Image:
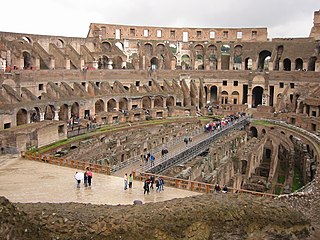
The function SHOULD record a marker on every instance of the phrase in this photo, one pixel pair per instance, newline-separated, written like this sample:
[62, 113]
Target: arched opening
[107, 46]
[312, 64]
[99, 106]
[263, 131]
[185, 62]
[103, 62]
[264, 58]
[75, 110]
[287, 64]
[237, 65]
[63, 113]
[158, 101]
[27, 61]
[235, 97]
[243, 166]
[224, 97]
[112, 105]
[60, 43]
[49, 112]
[214, 94]
[299, 64]
[123, 104]
[154, 63]
[35, 115]
[148, 49]
[199, 64]
[170, 101]
[253, 132]
[212, 51]
[225, 57]
[146, 102]
[257, 94]
[161, 49]
[26, 39]
[276, 66]
[21, 117]
[248, 64]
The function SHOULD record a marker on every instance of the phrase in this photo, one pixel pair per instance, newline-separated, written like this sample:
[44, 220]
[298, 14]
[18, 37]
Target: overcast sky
[283, 18]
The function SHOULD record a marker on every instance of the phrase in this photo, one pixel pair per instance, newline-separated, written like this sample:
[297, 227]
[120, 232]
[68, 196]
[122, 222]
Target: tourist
[217, 188]
[78, 176]
[89, 173]
[130, 179]
[85, 179]
[161, 183]
[146, 187]
[146, 158]
[225, 189]
[186, 140]
[125, 178]
[158, 189]
[151, 180]
[152, 159]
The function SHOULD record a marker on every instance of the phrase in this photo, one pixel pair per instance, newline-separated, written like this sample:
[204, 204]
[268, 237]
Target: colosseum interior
[55, 89]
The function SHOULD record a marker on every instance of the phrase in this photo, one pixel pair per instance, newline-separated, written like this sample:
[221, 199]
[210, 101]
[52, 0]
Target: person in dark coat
[146, 187]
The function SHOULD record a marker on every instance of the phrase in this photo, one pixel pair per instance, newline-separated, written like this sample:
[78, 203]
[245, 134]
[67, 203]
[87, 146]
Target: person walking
[146, 187]
[78, 176]
[125, 179]
[161, 184]
[85, 179]
[130, 179]
[152, 159]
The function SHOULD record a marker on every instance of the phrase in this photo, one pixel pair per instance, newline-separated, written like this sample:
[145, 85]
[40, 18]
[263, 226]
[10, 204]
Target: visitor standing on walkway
[125, 179]
[146, 187]
[78, 176]
[130, 179]
[152, 158]
[85, 179]
[89, 176]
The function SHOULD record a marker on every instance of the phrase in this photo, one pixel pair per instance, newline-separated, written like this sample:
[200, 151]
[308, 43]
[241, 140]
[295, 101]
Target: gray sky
[283, 18]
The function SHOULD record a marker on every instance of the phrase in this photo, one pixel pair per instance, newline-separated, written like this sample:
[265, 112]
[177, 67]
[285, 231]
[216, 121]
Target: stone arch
[158, 101]
[199, 54]
[263, 131]
[225, 57]
[148, 49]
[103, 62]
[111, 105]
[154, 63]
[27, 60]
[253, 132]
[21, 117]
[248, 63]
[237, 58]
[170, 101]
[299, 64]
[312, 63]
[235, 97]
[214, 94]
[212, 52]
[146, 102]
[107, 46]
[27, 39]
[60, 43]
[263, 61]
[99, 106]
[257, 94]
[123, 104]
[75, 109]
[63, 112]
[161, 48]
[224, 97]
[49, 112]
[185, 62]
[35, 114]
[287, 64]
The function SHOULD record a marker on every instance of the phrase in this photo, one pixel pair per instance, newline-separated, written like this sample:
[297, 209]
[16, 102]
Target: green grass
[281, 179]
[297, 180]
[262, 123]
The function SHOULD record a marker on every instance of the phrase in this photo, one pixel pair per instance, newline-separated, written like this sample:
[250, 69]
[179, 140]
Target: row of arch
[65, 111]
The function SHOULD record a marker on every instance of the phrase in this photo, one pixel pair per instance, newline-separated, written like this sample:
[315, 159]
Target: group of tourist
[86, 177]
[148, 157]
[148, 184]
[218, 124]
[128, 180]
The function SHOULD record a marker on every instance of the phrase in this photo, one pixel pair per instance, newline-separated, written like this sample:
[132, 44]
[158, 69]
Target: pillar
[249, 100]
[41, 116]
[56, 115]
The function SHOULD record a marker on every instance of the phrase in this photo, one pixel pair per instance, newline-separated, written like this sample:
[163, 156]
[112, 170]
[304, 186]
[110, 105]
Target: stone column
[28, 117]
[249, 100]
[56, 115]
[41, 116]
[130, 104]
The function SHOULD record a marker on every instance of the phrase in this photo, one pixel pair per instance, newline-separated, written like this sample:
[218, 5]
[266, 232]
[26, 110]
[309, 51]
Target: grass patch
[281, 179]
[262, 123]
[297, 180]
